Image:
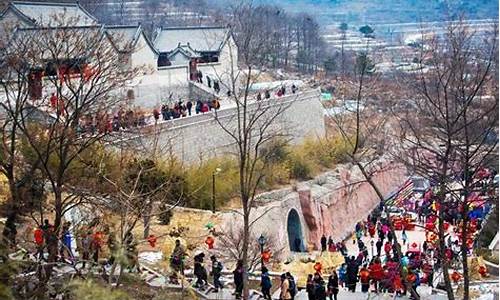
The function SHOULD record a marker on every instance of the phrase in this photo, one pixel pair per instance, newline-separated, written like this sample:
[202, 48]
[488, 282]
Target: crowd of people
[88, 242]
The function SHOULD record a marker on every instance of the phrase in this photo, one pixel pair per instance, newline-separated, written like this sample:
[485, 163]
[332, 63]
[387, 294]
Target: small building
[135, 49]
[33, 14]
[211, 50]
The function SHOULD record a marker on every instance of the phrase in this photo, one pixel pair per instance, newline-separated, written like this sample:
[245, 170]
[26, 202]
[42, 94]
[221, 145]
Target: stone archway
[294, 230]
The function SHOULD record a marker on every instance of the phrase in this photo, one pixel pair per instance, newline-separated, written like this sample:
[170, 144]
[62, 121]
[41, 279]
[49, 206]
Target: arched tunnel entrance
[294, 229]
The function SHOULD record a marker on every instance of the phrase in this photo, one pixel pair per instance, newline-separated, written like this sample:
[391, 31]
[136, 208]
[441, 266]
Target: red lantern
[210, 242]
[317, 267]
[456, 276]
[470, 243]
[38, 236]
[411, 278]
[152, 240]
[266, 255]
[446, 225]
[483, 271]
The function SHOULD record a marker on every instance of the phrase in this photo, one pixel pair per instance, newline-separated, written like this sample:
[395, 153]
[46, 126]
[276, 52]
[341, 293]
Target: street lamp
[216, 171]
[262, 241]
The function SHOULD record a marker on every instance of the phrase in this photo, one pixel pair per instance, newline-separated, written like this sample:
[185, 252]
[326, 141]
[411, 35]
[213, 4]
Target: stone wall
[201, 135]
[330, 204]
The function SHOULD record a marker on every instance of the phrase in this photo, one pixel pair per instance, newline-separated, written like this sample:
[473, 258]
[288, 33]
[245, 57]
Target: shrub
[199, 180]
[300, 167]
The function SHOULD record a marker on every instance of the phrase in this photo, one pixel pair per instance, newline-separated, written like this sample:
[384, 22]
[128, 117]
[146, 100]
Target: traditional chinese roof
[42, 13]
[199, 39]
[125, 37]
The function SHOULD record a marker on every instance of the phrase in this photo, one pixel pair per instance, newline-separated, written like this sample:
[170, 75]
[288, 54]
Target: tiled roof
[123, 37]
[198, 38]
[42, 13]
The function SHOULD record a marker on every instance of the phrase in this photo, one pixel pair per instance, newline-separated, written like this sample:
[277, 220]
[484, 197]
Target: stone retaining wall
[201, 136]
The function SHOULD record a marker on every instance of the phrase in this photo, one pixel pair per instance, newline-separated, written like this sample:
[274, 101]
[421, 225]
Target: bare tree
[254, 124]
[449, 133]
[71, 77]
[368, 133]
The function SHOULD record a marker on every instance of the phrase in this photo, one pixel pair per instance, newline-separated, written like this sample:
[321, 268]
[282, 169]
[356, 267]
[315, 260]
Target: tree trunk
[147, 220]
[246, 240]
[442, 246]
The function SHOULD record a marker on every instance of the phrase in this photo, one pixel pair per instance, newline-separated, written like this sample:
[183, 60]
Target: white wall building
[168, 62]
[211, 50]
[29, 14]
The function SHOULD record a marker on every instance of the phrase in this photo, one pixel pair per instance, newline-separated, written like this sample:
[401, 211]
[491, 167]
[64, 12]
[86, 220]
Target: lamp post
[262, 241]
[216, 171]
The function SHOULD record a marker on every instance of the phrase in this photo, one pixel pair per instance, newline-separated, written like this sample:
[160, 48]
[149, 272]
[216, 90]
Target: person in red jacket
[387, 248]
[38, 235]
[364, 278]
[376, 273]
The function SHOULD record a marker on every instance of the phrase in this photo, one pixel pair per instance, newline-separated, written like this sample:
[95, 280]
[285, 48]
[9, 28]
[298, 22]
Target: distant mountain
[386, 11]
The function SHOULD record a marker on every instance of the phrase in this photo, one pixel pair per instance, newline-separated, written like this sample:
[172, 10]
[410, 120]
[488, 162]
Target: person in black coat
[238, 279]
[352, 274]
[333, 285]
[199, 271]
[319, 287]
[310, 287]
[323, 243]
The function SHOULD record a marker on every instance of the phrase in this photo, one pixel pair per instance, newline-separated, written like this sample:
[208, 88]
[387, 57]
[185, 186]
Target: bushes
[193, 184]
[199, 180]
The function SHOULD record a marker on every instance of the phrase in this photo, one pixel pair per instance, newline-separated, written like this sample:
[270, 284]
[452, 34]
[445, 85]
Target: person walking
[342, 274]
[86, 248]
[319, 287]
[333, 285]
[292, 284]
[189, 106]
[238, 279]
[323, 243]
[404, 237]
[285, 288]
[199, 271]
[216, 273]
[39, 241]
[266, 284]
[379, 245]
[310, 287]
[364, 278]
[352, 274]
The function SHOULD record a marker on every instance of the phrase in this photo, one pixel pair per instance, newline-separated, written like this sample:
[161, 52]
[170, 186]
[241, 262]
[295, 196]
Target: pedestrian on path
[285, 286]
[319, 287]
[333, 285]
[404, 237]
[216, 273]
[352, 274]
[343, 274]
[379, 245]
[364, 278]
[266, 284]
[323, 243]
[238, 279]
[310, 287]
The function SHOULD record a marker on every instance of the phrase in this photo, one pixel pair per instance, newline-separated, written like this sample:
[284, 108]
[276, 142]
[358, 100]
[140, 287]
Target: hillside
[384, 11]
